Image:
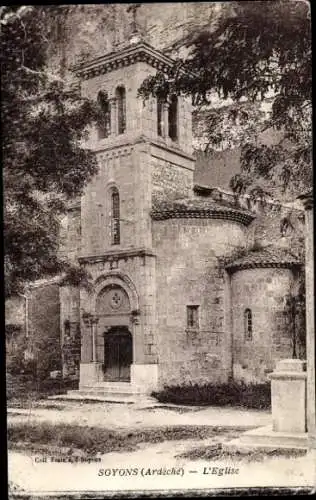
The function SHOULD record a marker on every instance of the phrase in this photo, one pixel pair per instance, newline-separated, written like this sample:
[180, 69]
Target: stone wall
[172, 176]
[15, 311]
[263, 291]
[44, 331]
[70, 331]
[127, 169]
[189, 273]
[70, 234]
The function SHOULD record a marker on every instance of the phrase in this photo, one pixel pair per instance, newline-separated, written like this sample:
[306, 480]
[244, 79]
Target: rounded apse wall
[189, 273]
[262, 327]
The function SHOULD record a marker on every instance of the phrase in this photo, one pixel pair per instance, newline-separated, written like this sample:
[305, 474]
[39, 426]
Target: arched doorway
[118, 354]
[115, 342]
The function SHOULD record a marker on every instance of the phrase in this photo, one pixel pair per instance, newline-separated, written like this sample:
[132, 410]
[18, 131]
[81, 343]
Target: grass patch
[97, 440]
[22, 388]
[254, 396]
[176, 409]
[216, 452]
[50, 406]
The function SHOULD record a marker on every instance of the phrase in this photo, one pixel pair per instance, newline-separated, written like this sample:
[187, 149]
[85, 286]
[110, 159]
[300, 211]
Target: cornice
[171, 149]
[125, 147]
[261, 265]
[115, 152]
[140, 52]
[233, 215]
[116, 254]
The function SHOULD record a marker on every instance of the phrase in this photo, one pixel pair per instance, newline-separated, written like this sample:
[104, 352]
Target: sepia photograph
[158, 249]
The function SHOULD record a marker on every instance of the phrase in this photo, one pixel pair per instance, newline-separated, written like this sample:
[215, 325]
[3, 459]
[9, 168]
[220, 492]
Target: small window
[159, 116]
[121, 109]
[115, 217]
[67, 327]
[173, 118]
[248, 324]
[104, 119]
[193, 316]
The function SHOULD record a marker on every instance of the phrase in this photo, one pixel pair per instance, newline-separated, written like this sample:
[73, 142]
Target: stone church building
[180, 292]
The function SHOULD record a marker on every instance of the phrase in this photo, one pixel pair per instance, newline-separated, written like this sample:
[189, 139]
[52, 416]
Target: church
[180, 292]
[176, 297]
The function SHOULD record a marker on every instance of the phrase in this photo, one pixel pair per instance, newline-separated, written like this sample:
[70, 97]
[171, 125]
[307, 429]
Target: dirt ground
[115, 415]
[163, 466]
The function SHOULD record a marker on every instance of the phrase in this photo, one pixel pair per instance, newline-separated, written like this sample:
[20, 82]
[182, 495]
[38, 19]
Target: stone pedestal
[288, 399]
[145, 376]
[90, 373]
[288, 395]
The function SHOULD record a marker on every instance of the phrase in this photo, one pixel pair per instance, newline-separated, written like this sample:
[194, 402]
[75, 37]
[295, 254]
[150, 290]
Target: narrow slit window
[173, 118]
[67, 327]
[115, 222]
[104, 119]
[192, 316]
[121, 109]
[159, 116]
[248, 324]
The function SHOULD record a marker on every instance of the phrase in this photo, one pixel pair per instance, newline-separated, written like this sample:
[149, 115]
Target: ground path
[28, 471]
[134, 416]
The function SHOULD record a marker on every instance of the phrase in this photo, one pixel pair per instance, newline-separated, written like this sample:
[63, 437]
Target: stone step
[265, 437]
[105, 397]
[86, 397]
[128, 389]
[117, 389]
[240, 445]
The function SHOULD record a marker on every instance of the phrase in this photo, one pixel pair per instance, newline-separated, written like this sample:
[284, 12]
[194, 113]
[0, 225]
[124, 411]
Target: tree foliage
[44, 122]
[254, 51]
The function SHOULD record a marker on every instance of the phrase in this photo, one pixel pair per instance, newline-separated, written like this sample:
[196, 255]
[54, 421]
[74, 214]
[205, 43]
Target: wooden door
[118, 355]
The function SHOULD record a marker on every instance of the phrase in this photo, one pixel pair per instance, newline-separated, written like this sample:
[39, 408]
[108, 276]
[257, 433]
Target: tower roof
[127, 55]
[194, 208]
[265, 257]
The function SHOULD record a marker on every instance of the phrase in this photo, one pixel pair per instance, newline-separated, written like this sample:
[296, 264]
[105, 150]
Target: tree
[44, 121]
[252, 52]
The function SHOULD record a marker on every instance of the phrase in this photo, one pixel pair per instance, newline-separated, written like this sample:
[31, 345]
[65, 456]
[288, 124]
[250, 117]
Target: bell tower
[144, 149]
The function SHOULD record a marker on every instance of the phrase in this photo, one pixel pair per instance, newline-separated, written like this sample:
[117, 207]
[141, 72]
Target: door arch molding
[119, 279]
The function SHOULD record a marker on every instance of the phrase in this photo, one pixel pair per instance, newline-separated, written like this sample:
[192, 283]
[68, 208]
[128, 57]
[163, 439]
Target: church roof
[265, 257]
[199, 208]
[127, 55]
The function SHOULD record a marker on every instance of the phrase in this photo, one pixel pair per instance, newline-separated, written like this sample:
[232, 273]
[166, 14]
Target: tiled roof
[200, 208]
[265, 257]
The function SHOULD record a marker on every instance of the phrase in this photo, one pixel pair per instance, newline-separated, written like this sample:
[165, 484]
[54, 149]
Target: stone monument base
[288, 402]
[266, 438]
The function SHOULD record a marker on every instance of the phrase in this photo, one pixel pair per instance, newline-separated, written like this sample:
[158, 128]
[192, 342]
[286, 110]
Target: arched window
[248, 324]
[173, 118]
[159, 116]
[104, 119]
[121, 109]
[115, 217]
